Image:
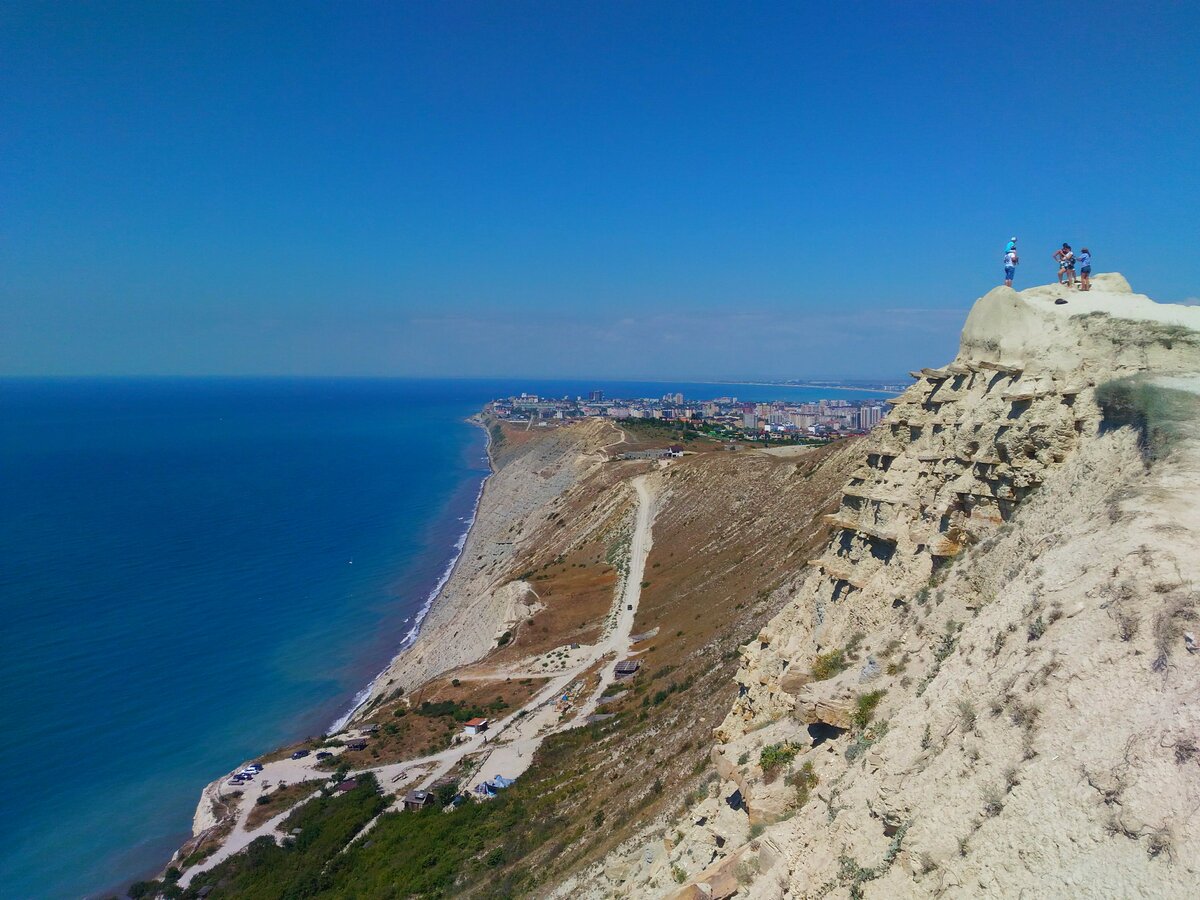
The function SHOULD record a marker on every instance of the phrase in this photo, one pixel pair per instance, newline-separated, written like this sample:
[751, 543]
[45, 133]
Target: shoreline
[410, 637]
[805, 384]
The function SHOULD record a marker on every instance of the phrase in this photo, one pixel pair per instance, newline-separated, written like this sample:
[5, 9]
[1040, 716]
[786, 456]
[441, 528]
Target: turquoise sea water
[195, 571]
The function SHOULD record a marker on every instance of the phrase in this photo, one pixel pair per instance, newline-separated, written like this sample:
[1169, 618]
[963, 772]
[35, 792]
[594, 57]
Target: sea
[196, 571]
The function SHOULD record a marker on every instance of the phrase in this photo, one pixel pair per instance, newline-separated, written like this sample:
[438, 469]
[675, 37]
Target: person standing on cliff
[1010, 262]
[1066, 265]
[1085, 269]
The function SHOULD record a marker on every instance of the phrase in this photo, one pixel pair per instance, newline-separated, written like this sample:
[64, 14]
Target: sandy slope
[480, 601]
[508, 747]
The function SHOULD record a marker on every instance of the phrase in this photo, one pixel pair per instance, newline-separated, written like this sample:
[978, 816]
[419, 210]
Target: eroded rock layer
[986, 681]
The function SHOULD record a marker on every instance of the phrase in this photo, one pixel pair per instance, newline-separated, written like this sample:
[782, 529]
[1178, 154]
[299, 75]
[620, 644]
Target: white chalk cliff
[1012, 586]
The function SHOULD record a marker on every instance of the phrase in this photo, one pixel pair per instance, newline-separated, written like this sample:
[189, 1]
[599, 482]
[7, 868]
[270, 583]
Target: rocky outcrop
[958, 453]
[981, 686]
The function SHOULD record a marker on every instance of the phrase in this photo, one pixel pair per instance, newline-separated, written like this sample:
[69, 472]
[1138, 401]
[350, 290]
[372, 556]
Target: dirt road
[507, 749]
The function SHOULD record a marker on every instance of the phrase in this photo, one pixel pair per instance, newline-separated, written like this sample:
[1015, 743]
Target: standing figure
[1010, 264]
[1085, 269]
[1066, 265]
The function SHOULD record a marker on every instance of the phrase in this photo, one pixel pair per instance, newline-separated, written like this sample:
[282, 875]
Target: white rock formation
[1017, 582]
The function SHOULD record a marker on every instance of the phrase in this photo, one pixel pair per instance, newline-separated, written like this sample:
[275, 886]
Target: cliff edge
[987, 683]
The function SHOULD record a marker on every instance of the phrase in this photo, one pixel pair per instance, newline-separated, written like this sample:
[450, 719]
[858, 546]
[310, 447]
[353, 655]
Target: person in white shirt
[1010, 264]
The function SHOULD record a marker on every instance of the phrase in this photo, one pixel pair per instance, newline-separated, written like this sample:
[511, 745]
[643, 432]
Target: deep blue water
[195, 571]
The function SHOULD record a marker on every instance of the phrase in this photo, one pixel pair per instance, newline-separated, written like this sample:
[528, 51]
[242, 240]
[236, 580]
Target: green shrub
[774, 757]
[804, 779]
[826, 665]
[864, 708]
[966, 709]
[326, 823]
[1159, 415]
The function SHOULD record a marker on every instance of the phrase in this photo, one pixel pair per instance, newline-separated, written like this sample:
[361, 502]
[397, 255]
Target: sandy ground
[786, 452]
[1110, 294]
[514, 743]
[479, 602]
[506, 749]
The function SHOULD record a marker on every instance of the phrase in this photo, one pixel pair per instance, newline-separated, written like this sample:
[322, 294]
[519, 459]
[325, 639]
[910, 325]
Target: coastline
[481, 600]
[807, 384]
[413, 634]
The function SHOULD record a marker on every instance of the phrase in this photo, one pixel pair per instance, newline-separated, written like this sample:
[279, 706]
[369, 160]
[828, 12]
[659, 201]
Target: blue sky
[641, 189]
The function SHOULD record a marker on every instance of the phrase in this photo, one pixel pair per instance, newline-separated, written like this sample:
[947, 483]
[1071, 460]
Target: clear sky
[611, 189]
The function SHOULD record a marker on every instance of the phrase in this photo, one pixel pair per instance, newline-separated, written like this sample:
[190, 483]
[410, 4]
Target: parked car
[324, 754]
[254, 767]
[300, 754]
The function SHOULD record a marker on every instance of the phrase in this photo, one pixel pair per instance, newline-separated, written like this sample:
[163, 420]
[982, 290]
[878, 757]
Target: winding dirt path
[508, 748]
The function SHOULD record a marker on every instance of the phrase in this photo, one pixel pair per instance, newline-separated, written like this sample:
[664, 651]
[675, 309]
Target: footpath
[508, 748]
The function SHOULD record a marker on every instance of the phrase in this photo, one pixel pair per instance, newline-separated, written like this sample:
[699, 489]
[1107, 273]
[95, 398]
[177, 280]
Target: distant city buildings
[869, 417]
[724, 418]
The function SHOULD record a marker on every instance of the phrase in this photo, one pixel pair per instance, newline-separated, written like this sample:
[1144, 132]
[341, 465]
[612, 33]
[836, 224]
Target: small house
[675, 451]
[417, 800]
[475, 726]
[627, 667]
[346, 786]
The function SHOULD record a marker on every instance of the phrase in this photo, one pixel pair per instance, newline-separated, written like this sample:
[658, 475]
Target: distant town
[722, 418]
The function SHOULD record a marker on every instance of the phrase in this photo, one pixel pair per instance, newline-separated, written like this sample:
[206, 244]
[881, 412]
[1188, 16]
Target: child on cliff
[1085, 269]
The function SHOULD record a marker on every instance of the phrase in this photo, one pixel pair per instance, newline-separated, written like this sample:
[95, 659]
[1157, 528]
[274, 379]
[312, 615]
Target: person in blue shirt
[1085, 269]
[1012, 245]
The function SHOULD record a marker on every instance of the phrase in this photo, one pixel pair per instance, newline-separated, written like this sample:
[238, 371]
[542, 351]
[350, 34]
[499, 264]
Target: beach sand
[481, 601]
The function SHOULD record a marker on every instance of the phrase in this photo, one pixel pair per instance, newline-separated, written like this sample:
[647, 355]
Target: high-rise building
[596, 396]
[869, 416]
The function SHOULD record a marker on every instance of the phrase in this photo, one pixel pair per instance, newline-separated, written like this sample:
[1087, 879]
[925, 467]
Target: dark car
[324, 754]
[300, 754]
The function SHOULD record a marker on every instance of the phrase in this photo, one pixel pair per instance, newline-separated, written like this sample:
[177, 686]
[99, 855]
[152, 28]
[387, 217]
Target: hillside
[986, 683]
[955, 657]
[551, 591]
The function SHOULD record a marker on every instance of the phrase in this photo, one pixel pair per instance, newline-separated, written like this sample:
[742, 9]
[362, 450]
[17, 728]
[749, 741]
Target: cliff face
[959, 452]
[984, 683]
